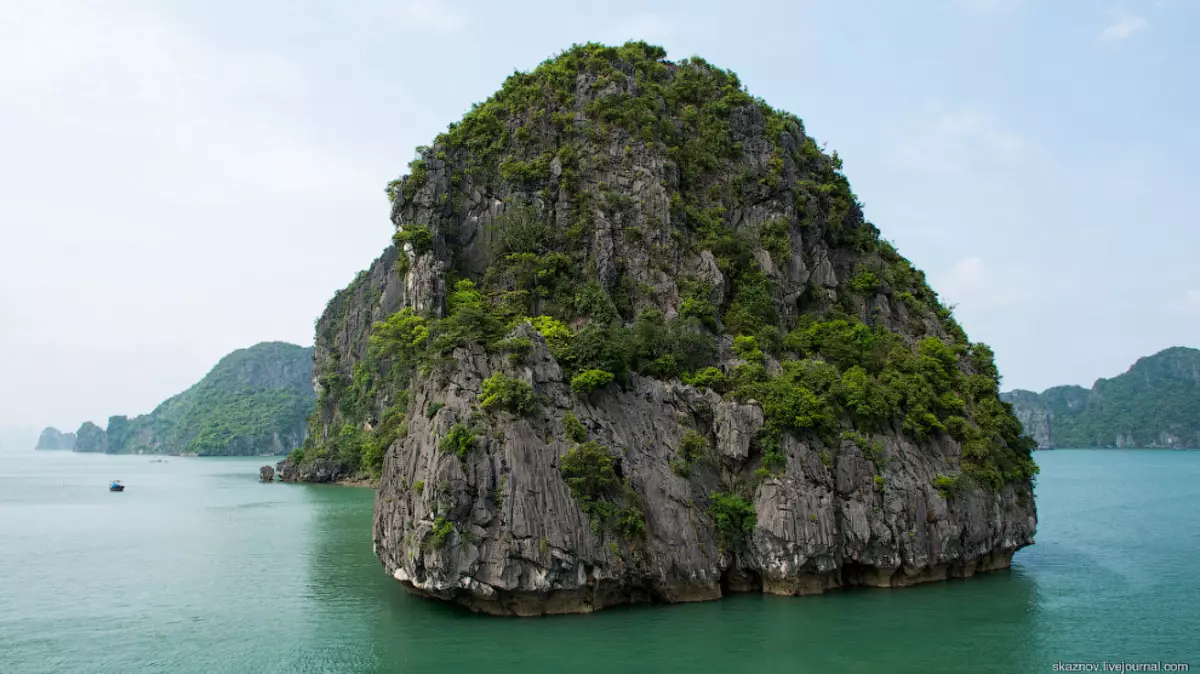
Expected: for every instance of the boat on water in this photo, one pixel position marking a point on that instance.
(116, 486)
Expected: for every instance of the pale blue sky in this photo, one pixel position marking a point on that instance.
(180, 179)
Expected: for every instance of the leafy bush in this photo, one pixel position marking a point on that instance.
(733, 516)
(594, 302)
(773, 237)
(774, 461)
(692, 446)
(826, 458)
(600, 347)
(589, 381)
(799, 398)
(419, 486)
(507, 393)
(753, 305)
(746, 347)
(680, 467)
(872, 450)
(433, 408)
(518, 348)
(556, 333)
(842, 343)
(471, 319)
(709, 377)
(696, 304)
(417, 236)
(385, 433)
(403, 335)
(946, 486)
(573, 428)
(437, 535)
(700, 309)
(588, 470)
(662, 349)
(864, 281)
(871, 404)
(957, 427)
(459, 441)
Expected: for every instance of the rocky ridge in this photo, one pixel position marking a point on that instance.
(52, 438)
(636, 342)
(1155, 404)
(254, 401)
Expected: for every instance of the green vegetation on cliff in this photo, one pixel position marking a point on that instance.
(254, 401)
(805, 310)
(1155, 404)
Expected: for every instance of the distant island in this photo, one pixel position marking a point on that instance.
(254, 402)
(52, 438)
(1155, 404)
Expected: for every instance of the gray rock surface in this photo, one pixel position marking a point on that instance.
(266, 474)
(522, 545)
(320, 471)
(1034, 415)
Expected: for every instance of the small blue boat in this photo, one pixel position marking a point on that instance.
(116, 486)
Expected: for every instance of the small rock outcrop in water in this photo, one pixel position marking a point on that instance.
(313, 470)
(1155, 404)
(254, 402)
(52, 438)
(266, 474)
(636, 342)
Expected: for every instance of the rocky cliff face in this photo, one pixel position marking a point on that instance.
(52, 438)
(1154, 404)
(91, 438)
(1034, 415)
(636, 342)
(253, 402)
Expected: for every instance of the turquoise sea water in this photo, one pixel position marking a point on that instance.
(199, 568)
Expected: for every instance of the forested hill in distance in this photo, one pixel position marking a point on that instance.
(1155, 404)
(52, 438)
(255, 401)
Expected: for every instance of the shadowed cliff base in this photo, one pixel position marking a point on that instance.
(598, 594)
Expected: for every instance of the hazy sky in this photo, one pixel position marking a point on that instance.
(181, 179)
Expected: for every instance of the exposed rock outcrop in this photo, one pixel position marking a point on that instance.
(521, 545)
(650, 434)
(266, 474)
(52, 438)
(1034, 415)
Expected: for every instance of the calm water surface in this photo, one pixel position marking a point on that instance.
(199, 568)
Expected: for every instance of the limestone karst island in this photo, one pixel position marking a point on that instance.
(636, 341)
(455, 336)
